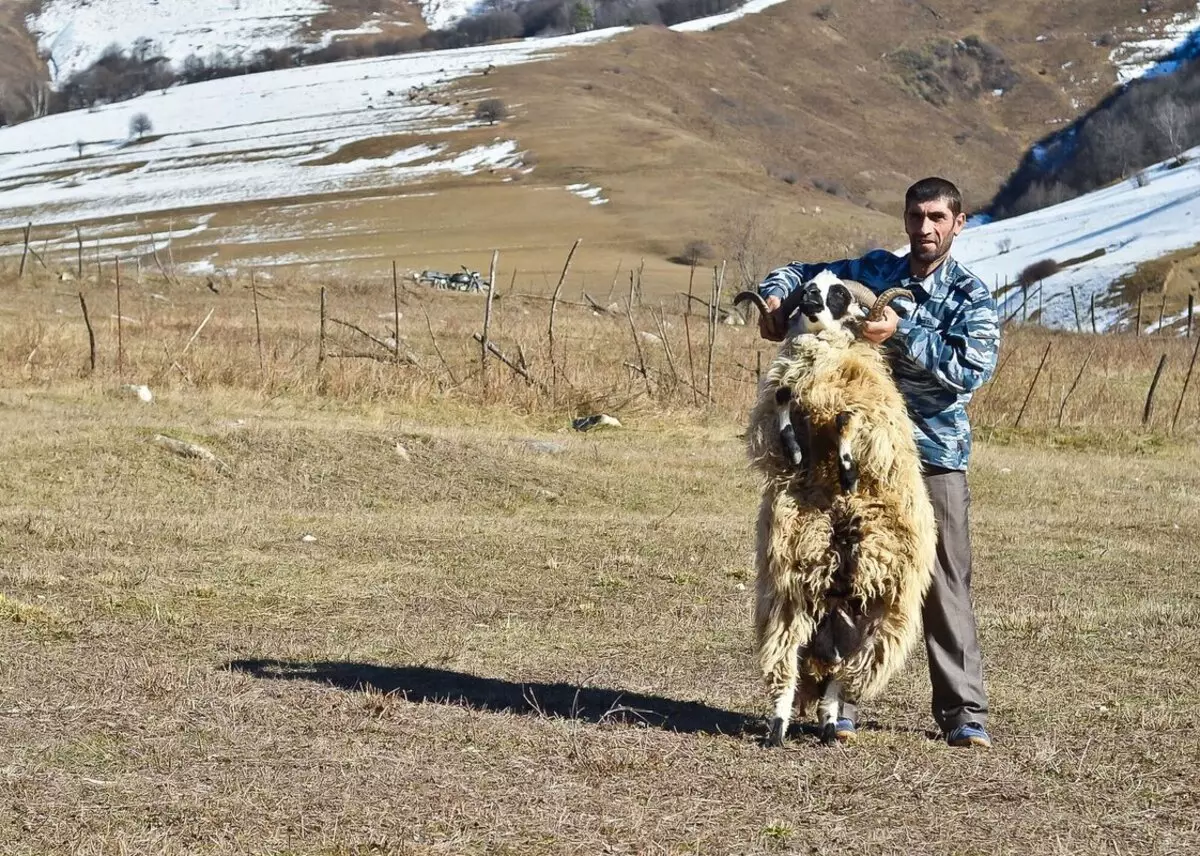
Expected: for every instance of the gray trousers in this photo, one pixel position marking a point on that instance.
(951, 638)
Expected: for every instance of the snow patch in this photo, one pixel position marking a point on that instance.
(586, 191)
(714, 21)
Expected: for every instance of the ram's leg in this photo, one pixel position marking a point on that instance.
(795, 444)
(781, 629)
(847, 466)
(827, 710)
(785, 699)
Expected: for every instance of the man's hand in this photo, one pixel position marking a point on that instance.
(773, 325)
(882, 330)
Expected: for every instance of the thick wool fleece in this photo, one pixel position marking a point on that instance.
(831, 372)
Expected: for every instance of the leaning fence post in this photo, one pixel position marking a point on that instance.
(1191, 303)
(1186, 380)
(257, 327)
(396, 310)
(487, 320)
(1162, 363)
(25, 251)
(120, 320)
(1093, 311)
(79, 242)
(321, 340)
(1063, 407)
(1138, 329)
(1029, 394)
(1075, 304)
(91, 334)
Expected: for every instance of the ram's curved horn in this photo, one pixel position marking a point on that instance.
(755, 298)
(884, 299)
(862, 294)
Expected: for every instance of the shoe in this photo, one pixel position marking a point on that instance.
(969, 734)
(845, 731)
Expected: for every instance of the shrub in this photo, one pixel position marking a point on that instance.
(1038, 271)
(833, 188)
(491, 110)
(694, 252)
(1004, 245)
(824, 12)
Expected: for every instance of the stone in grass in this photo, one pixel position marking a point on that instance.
(136, 390)
(186, 449)
(546, 447)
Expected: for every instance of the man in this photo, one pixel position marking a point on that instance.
(942, 347)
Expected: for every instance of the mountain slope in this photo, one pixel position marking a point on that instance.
(789, 132)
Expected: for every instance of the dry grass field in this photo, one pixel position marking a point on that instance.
(413, 612)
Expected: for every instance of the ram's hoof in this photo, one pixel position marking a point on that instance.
(777, 733)
(829, 734)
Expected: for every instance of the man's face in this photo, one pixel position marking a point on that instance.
(931, 228)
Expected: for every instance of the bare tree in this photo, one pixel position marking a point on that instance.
(1117, 148)
(754, 246)
(37, 94)
(1172, 119)
(140, 125)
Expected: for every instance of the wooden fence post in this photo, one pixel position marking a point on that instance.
(1075, 305)
(1191, 306)
(1093, 311)
(257, 328)
(1186, 380)
(1138, 329)
(1162, 363)
(562, 277)
(1063, 407)
(1029, 394)
(321, 340)
(120, 342)
(487, 321)
(396, 310)
(25, 251)
(91, 334)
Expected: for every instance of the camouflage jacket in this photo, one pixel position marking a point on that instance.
(944, 347)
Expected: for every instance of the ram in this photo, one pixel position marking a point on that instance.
(846, 533)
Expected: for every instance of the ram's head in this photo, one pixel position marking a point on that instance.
(827, 302)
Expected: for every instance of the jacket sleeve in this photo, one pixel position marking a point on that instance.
(963, 357)
(783, 281)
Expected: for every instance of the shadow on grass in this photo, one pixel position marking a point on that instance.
(565, 701)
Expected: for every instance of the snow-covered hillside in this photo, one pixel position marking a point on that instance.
(76, 33)
(1147, 54)
(1131, 224)
(288, 134)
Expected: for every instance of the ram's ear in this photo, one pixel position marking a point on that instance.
(838, 300)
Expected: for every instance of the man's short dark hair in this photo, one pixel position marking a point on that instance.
(932, 189)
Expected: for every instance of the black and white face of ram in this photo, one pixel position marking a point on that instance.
(826, 304)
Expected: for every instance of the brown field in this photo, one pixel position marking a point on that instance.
(510, 637)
